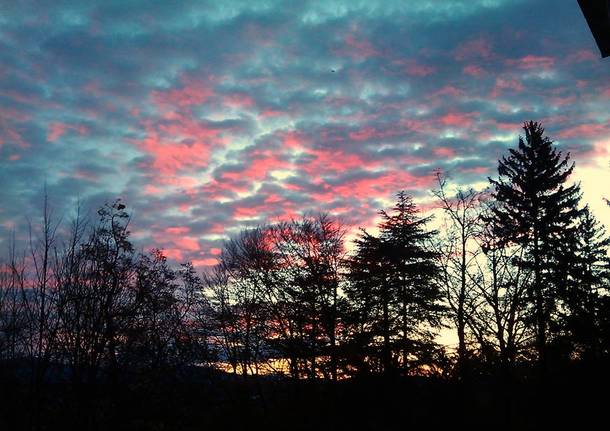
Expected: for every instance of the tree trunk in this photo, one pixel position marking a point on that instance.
(540, 319)
(461, 321)
(386, 354)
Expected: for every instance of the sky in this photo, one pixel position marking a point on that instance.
(208, 117)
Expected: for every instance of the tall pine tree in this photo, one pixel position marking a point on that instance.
(537, 211)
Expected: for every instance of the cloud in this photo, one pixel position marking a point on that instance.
(208, 117)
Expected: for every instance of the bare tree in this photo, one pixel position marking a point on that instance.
(38, 295)
(13, 320)
(238, 290)
(500, 319)
(161, 333)
(311, 253)
(458, 253)
(93, 302)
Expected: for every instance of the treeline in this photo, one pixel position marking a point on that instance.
(519, 272)
(518, 275)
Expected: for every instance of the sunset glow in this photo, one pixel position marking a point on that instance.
(205, 118)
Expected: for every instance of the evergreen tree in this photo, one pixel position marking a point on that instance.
(369, 299)
(393, 281)
(584, 296)
(538, 212)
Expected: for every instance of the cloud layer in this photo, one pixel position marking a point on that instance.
(206, 118)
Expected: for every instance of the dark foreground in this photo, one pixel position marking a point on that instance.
(208, 400)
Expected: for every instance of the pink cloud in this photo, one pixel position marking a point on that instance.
(151, 190)
(478, 170)
(444, 152)
(472, 49)
(177, 230)
(238, 101)
(358, 48)
(582, 55)
(241, 212)
(30, 99)
(171, 155)
(187, 243)
(7, 114)
(280, 210)
(425, 127)
(369, 132)
(205, 262)
(532, 62)
(273, 198)
(57, 130)
(224, 189)
(178, 141)
(331, 161)
(270, 113)
(293, 140)
(84, 175)
(563, 101)
(364, 188)
(457, 119)
(473, 70)
(12, 135)
(508, 126)
(193, 92)
(448, 90)
(217, 228)
(585, 131)
(502, 85)
(413, 68)
(177, 247)
(175, 254)
(261, 163)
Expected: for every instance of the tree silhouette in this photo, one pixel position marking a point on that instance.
(583, 296)
(393, 278)
(458, 257)
(500, 311)
(311, 252)
(239, 286)
(536, 211)
(370, 301)
(95, 334)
